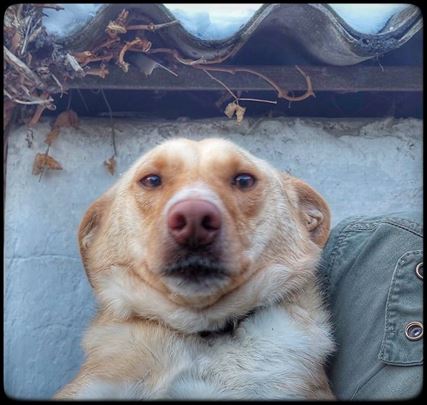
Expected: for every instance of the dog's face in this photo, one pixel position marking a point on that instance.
(197, 232)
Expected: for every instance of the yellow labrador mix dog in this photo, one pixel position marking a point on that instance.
(202, 258)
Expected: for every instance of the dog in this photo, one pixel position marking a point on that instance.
(202, 258)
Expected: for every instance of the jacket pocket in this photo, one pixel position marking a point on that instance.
(402, 342)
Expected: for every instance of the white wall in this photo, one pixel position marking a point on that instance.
(360, 166)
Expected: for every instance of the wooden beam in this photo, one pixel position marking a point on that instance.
(343, 79)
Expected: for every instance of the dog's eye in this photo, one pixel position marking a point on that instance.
(151, 181)
(243, 180)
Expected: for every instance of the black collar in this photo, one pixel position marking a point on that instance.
(228, 329)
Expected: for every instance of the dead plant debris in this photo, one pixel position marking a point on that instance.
(67, 119)
(234, 108)
(111, 164)
(52, 135)
(36, 67)
(44, 161)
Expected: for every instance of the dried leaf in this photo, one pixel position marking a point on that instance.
(111, 164)
(67, 119)
(234, 108)
(114, 29)
(118, 26)
(42, 161)
(16, 41)
(52, 135)
(240, 113)
(230, 109)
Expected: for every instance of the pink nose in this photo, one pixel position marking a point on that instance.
(194, 223)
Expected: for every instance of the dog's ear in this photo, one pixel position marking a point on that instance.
(89, 226)
(313, 210)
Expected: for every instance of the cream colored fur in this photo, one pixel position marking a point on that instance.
(144, 342)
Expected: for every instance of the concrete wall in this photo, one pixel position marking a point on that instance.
(360, 167)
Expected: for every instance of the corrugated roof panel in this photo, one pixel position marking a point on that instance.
(317, 28)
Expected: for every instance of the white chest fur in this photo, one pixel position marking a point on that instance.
(270, 355)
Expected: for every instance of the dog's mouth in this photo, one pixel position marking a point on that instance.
(197, 270)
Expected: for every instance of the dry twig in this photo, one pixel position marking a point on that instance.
(31, 102)
(202, 64)
(236, 97)
(102, 71)
(221, 83)
(151, 27)
(39, 110)
(83, 58)
(106, 44)
(191, 62)
(28, 24)
(52, 135)
(58, 83)
(140, 43)
(22, 68)
(281, 93)
(113, 133)
(176, 55)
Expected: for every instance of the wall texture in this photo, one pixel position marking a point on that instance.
(359, 166)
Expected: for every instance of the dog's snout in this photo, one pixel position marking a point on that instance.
(194, 223)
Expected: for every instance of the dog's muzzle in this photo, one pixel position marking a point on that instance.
(196, 269)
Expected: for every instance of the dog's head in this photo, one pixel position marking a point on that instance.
(198, 232)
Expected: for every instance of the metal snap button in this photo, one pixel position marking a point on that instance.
(414, 330)
(419, 270)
